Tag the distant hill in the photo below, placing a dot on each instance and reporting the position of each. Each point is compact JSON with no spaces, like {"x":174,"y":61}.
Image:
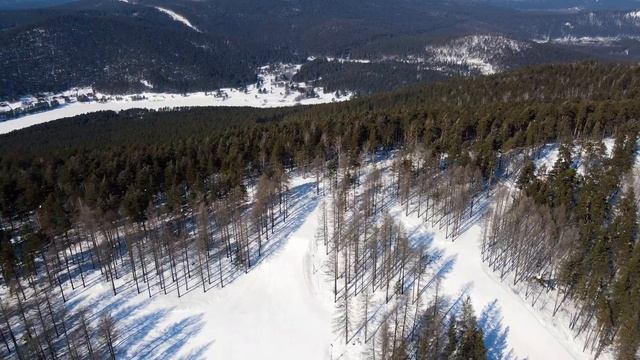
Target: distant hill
{"x":30,"y":4}
{"x":185,"y":45}
{"x":117,"y":53}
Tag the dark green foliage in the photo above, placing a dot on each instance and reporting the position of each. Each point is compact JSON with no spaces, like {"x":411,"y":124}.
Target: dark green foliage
{"x":90,"y":42}
{"x":97,"y":48}
{"x":597,"y":271}
{"x":527,"y":175}
{"x":19,"y":4}
{"x":365,"y":78}
{"x":105,"y":156}
{"x":7,"y":255}
{"x":465,"y":338}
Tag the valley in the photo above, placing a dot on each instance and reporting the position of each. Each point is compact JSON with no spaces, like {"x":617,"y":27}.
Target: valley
{"x":275,"y":88}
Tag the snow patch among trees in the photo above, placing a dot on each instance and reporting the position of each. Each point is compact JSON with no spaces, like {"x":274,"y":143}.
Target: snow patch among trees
{"x":177,"y":17}
{"x":478,"y":52}
{"x":585,"y":40}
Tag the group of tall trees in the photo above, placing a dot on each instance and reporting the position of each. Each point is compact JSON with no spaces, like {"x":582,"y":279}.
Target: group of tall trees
{"x":576,"y":232}
{"x":177,"y":199}
{"x":160,"y":245}
{"x":386,"y":283}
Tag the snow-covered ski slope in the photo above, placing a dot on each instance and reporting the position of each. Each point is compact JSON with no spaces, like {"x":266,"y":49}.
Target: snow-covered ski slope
{"x":513,"y":328}
{"x":283,"y":307}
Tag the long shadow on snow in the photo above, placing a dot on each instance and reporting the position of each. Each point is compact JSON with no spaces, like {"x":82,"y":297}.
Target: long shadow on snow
{"x":134,"y":329}
{"x":169,"y":343}
{"x":173,"y":339}
{"x":495,"y":334}
{"x":298,"y":215}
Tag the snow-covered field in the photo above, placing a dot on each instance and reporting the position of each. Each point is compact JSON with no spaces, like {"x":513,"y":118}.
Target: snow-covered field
{"x":274,"y":94}
{"x":283,"y":308}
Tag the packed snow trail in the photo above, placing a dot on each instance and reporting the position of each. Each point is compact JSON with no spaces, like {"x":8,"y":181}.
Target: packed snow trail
{"x":528,"y":332}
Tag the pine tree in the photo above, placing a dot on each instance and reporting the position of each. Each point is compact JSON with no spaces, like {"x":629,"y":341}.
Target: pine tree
{"x":527,"y":175}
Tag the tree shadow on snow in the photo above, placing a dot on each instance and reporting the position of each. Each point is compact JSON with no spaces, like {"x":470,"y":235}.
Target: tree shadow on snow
{"x":299,"y":213}
{"x":495,"y":334}
{"x":168,"y":343}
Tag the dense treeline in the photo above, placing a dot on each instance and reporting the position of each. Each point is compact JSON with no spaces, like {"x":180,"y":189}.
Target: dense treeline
{"x":96,"y":48}
{"x":365,"y":78}
{"x":577,"y":233}
{"x":526,"y":106}
{"x":89,"y":42}
{"x":149,"y":177}
{"x":167,"y":149}
{"x":108,"y":129}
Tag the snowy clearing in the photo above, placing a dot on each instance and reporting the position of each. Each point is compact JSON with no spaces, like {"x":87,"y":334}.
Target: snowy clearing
{"x":177,"y":17}
{"x":269,"y":92}
{"x":521,"y":328}
{"x":548,"y":155}
{"x":585,"y":40}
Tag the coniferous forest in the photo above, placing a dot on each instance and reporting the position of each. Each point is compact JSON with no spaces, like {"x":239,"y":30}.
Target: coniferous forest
{"x":163,"y":197}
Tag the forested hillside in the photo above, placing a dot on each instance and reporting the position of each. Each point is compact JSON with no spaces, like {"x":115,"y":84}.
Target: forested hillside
{"x":139,"y":178}
{"x":29,"y":4}
{"x":186,"y":46}
{"x":96,"y":48}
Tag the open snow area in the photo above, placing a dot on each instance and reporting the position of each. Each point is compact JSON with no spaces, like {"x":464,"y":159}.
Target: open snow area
{"x":516,"y":329}
{"x":284,"y":305}
{"x":177,"y":17}
{"x":270,"y":91}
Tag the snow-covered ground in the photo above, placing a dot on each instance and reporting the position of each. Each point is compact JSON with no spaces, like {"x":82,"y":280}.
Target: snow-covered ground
{"x":274,"y":94}
{"x":283,"y":307}
{"x":522,"y":332}
{"x":280,"y":309}
{"x":340,"y":60}
{"x":585,"y":40}
{"x":177,"y":17}
{"x":478,"y":52}
{"x":549,"y":155}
